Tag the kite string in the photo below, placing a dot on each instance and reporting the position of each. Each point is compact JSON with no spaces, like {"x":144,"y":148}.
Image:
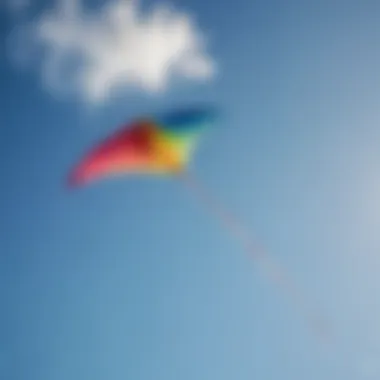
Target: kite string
{"x":277,"y":273}
{"x":273,"y":269}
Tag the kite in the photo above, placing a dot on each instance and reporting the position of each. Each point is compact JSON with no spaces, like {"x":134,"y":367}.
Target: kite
{"x":164,"y":145}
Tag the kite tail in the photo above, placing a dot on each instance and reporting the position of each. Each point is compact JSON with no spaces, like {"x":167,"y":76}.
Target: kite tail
{"x":276,"y":273}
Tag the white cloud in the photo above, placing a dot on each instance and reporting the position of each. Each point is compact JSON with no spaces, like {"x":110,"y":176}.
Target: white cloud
{"x":118,"y":46}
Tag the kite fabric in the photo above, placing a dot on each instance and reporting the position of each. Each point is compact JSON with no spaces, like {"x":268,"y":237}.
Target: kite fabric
{"x":164,"y":145}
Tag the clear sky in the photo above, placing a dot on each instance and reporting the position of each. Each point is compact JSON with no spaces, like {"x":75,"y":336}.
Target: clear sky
{"x":132,"y":278}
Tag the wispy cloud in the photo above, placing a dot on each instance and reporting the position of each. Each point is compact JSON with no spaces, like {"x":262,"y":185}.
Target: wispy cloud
{"x":118,"y":46}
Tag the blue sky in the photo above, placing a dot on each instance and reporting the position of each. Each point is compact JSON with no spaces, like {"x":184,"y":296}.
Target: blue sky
{"x":132,"y":278}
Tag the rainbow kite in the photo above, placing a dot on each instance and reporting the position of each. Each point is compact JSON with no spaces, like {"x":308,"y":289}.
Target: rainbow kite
{"x":164,"y":145}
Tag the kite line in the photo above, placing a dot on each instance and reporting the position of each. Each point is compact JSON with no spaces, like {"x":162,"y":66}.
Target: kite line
{"x":273,"y":269}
